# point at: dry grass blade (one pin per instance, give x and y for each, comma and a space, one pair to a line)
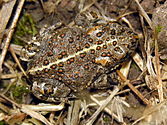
11, 30
129, 24
158, 113
35, 115
73, 113
108, 110
94, 116
4, 108
138, 60
28, 111
125, 68
5, 13
144, 14
45, 107
157, 67
82, 9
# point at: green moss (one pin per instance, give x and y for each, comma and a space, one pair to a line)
2, 123
25, 29
106, 119
19, 91
158, 28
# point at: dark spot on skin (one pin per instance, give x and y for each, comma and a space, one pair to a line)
61, 64
93, 60
118, 49
60, 70
99, 34
64, 53
62, 35
112, 32
92, 51
78, 48
105, 46
46, 70
82, 55
109, 54
53, 66
77, 37
112, 37
90, 40
71, 60
46, 62
107, 39
86, 67
68, 61
49, 53
52, 76
114, 43
99, 42
98, 48
60, 56
87, 45
103, 54
84, 35
70, 40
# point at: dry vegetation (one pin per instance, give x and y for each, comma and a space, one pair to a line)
139, 99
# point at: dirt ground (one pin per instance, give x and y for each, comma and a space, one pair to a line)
141, 100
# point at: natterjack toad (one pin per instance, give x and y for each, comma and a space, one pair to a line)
67, 60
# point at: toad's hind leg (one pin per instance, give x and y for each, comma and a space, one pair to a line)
50, 90
105, 81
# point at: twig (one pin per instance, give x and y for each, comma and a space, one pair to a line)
128, 90
10, 76
17, 61
9, 100
133, 88
11, 30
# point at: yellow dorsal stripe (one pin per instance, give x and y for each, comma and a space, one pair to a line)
70, 56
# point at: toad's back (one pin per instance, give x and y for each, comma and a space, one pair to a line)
74, 56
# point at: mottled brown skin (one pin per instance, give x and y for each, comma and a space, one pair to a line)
70, 59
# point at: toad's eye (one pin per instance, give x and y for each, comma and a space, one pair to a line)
29, 50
